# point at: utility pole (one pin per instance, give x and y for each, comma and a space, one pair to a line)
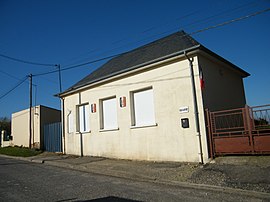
61, 103
59, 76
30, 110
62, 107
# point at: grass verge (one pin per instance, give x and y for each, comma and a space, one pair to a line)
19, 151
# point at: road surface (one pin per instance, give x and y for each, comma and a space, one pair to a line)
27, 181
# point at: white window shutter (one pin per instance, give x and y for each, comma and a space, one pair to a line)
70, 122
81, 119
144, 108
84, 118
109, 114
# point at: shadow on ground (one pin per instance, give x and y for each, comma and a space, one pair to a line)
109, 199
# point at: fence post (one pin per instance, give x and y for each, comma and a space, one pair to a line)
210, 138
248, 124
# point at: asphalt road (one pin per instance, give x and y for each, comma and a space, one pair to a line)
26, 181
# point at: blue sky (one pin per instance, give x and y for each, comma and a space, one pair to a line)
70, 32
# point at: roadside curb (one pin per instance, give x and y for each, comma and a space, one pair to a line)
16, 157
141, 178
37, 160
29, 159
161, 181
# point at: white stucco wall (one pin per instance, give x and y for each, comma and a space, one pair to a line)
20, 127
167, 141
224, 88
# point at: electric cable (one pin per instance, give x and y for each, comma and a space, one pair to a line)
230, 21
192, 33
115, 55
13, 88
26, 62
14, 77
252, 3
79, 65
9, 75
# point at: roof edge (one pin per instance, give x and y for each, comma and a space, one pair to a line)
138, 67
245, 74
71, 90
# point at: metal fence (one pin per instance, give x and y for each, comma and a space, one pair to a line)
53, 137
239, 131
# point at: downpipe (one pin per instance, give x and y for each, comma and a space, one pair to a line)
63, 125
195, 103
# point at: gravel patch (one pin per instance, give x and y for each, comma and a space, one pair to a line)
249, 177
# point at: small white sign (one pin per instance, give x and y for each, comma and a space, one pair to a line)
183, 110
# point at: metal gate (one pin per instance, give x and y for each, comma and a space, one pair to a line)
53, 137
239, 131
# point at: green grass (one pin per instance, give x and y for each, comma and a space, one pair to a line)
19, 151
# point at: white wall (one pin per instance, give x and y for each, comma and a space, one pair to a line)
20, 125
167, 141
224, 88
2, 142
20, 128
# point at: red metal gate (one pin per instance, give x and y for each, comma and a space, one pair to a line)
239, 131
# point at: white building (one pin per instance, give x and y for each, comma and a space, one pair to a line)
140, 105
41, 115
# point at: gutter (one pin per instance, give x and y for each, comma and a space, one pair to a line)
195, 104
145, 65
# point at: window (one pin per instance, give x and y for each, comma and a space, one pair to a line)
70, 122
109, 114
83, 118
143, 113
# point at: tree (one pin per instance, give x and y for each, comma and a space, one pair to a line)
5, 124
261, 121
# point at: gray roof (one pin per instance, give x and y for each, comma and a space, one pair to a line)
155, 51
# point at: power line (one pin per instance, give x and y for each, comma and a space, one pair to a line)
11, 76
79, 65
141, 32
192, 33
14, 77
5, 94
207, 19
26, 62
230, 21
166, 23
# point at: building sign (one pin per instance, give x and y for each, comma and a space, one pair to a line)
183, 110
